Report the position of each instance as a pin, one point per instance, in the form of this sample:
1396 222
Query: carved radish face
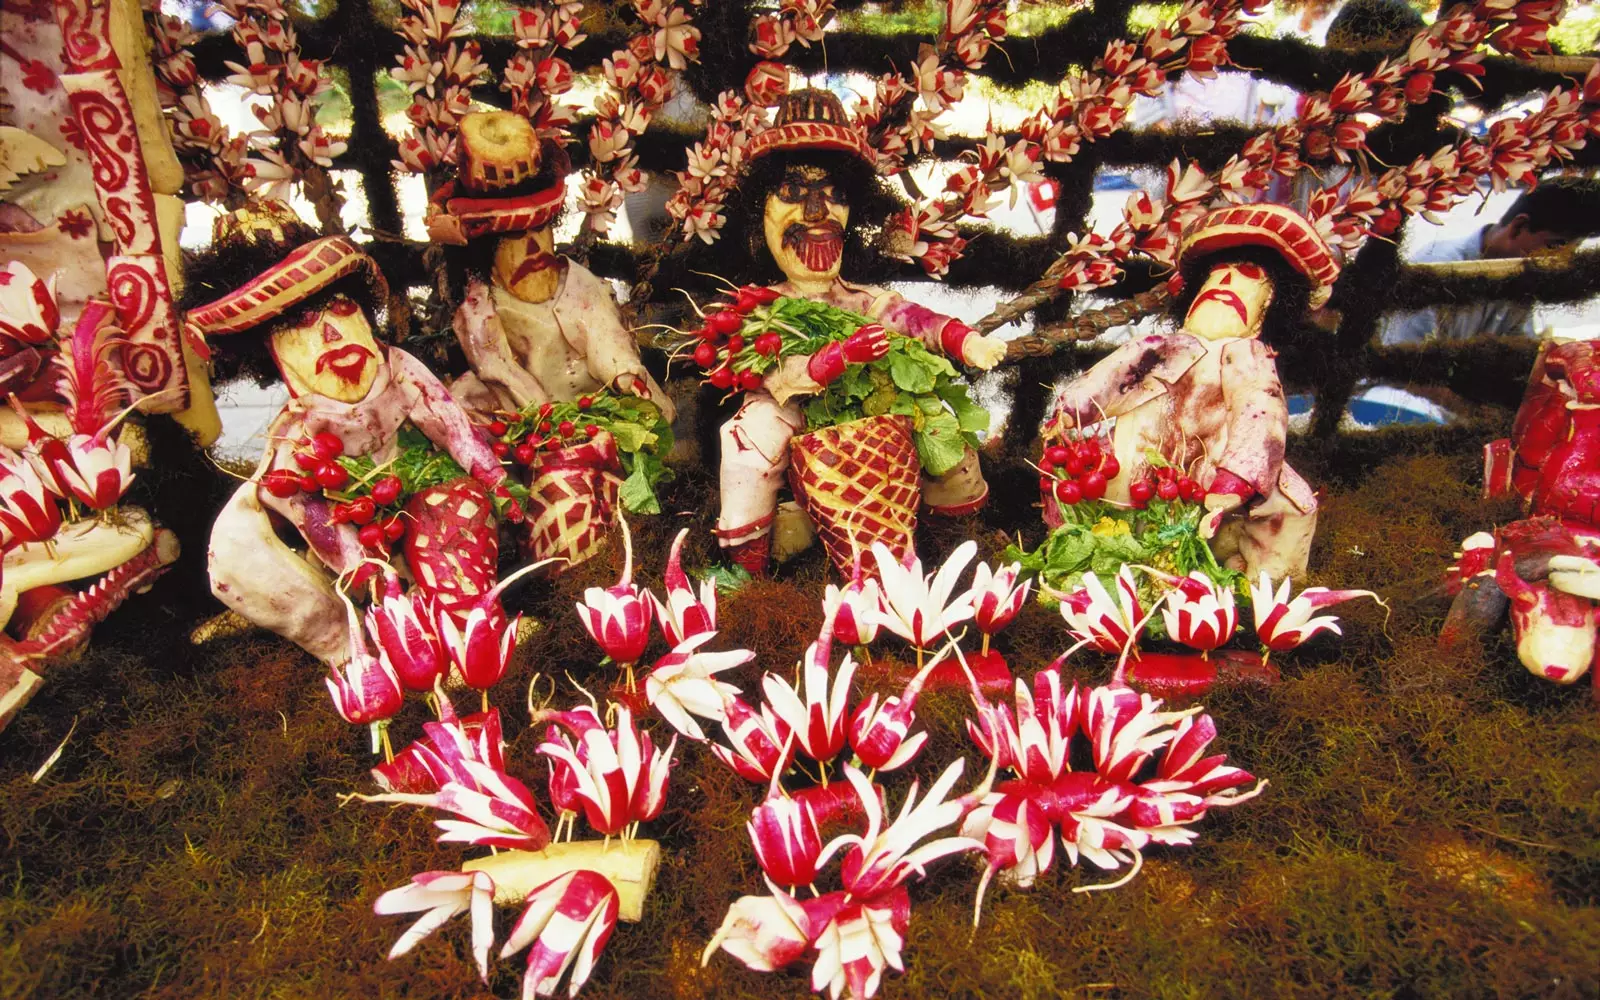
328 352
526 265
804 224
1231 303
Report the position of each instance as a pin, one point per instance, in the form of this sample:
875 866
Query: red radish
500 449
394 528
1094 484
735 344
327 446
706 333
386 490
1056 455
497 427
1047 484
544 427
524 453
361 510
591 429
1167 490
341 513
1045 465
1073 465
722 378
750 381
565 428
723 322
331 476
1068 491
307 460
584 402
1140 492
309 484
1110 467
371 536
281 483
544 409
705 355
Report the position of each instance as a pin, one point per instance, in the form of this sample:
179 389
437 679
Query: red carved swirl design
102 123
133 292
147 366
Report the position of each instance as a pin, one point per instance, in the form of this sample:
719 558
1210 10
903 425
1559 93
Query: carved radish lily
878 732
1097 621
682 615
622 778
760 741
567 921
1200 614
444 895
481 644
683 684
1282 624
787 841
921 608
28 510
856 608
435 760
99 472
28 312
404 628
997 597
618 617
886 856
818 723
364 689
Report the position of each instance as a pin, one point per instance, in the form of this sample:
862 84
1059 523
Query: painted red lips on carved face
347 363
1227 296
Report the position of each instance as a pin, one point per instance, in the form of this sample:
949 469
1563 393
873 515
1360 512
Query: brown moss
1432 827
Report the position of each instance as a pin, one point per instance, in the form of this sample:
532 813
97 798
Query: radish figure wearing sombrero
349 398
1206 397
536 328
808 176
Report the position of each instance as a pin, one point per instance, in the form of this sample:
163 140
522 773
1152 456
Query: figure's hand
1226 493
633 385
982 352
868 343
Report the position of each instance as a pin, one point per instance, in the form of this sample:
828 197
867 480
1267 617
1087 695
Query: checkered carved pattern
858 481
452 545
570 512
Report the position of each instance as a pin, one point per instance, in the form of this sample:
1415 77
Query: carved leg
255 574
1555 631
960 491
755 454
1274 536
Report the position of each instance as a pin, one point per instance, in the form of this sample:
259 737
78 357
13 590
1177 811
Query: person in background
1558 212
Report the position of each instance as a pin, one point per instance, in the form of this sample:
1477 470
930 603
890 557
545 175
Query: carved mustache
533 264
1227 298
799 233
346 362
818 246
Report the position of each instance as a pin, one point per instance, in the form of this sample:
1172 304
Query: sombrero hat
1275 227
497 152
810 120
309 269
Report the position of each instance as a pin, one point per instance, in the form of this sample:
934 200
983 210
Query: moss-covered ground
1432 827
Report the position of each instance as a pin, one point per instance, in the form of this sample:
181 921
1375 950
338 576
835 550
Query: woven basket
858 483
572 503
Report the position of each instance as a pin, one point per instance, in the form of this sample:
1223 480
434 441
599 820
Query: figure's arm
483 340
441 418
610 350
940 333
1137 371
1258 418
335 545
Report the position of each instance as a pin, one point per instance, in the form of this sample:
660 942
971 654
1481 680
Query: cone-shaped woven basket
453 546
858 483
572 503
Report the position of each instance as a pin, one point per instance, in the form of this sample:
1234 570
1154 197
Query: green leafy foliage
1098 537
419 464
643 439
